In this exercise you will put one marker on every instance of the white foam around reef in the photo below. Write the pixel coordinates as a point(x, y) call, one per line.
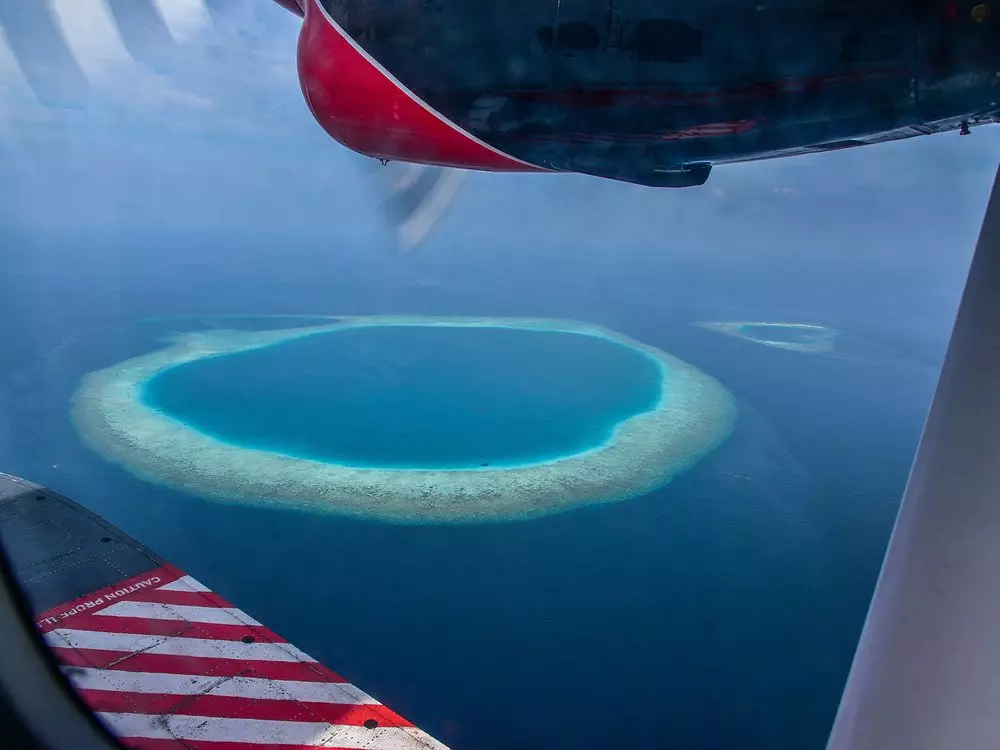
point(693, 415)
point(816, 339)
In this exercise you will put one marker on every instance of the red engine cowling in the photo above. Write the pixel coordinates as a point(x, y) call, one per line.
point(364, 107)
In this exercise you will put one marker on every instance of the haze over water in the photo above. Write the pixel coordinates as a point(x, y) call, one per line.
point(721, 611)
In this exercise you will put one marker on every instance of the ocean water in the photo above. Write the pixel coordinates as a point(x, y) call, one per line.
point(720, 611)
point(413, 396)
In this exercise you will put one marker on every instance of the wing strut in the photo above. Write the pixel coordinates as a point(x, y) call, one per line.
point(926, 674)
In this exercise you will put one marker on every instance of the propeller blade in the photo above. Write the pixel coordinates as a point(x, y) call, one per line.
point(417, 196)
point(71, 54)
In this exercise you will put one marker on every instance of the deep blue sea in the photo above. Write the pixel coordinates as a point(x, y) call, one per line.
point(412, 396)
point(721, 611)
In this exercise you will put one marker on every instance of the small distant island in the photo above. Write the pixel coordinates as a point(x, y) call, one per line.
point(797, 337)
point(691, 415)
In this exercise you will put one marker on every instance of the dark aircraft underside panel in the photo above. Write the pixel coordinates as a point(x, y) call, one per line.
point(164, 662)
point(632, 89)
point(60, 551)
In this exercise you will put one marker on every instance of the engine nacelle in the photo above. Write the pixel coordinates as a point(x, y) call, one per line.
point(637, 95)
point(364, 107)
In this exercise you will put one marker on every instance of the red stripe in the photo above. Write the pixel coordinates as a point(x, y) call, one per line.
point(590, 98)
point(132, 625)
point(195, 665)
point(735, 127)
point(230, 707)
point(139, 743)
point(177, 628)
point(57, 616)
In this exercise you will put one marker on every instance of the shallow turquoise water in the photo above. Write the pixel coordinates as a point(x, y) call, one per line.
point(414, 396)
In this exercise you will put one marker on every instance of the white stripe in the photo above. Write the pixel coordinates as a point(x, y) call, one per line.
point(184, 583)
point(396, 82)
point(260, 731)
point(232, 687)
point(160, 611)
point(168, 645)
point(91, 34)
point(184, 18)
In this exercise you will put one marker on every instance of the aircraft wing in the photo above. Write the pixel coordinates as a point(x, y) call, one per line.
point(162, 660)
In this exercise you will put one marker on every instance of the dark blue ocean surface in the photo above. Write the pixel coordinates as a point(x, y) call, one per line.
point(719, 612)
point(415, 396)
